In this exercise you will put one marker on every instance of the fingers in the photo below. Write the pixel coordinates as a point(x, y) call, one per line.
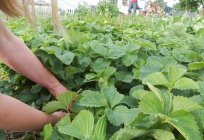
point(57, 116)
point(59, 89)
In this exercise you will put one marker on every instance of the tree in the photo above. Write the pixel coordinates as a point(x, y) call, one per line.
point(191, 5)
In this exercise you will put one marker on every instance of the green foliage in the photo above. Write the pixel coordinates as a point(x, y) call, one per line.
point(183, 103)
point(47, 131)
point(107, 8)
point(128, 134)
point(121, 115)
point(82, 127)
point(196, 66)
point(62, 103)
point(191, 5)
point(135, 77)
point(92, 99)
point(100, 128)
point(163, 135)
point(179, 117)
point(184, 122)
point(185, 83)
point(175, 79)
point(151, 104)
point(2, 135)
point(111, 95)
point(156, 78)
point(82, 11)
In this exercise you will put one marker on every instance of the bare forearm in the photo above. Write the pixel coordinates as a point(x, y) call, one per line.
point(16, 54)
point(17, 116)
point(20, 58)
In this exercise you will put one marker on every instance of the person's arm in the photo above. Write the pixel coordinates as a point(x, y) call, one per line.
point(17, 116)
point(18, 56)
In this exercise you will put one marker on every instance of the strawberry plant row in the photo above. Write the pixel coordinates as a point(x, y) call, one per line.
point(133, 77)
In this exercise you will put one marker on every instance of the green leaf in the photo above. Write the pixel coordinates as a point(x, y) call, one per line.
point(185, 83)
point(150, 68)
point(150, 104)
point(92, 99)
point(99, 49)
point(148, 122)
point(124, 76)
point(200, 32)
point(66, 98)
point(66, 58)
point(147, 44)
point(56, 135)
point(129, 59)
point(196, 66)
point(71, 71)
point(184, 122)
point(56, 66)
point(71, 130)
point(139, 93)
point(112, 95)
point(183, 103)
point(168, 102)
point(138, 119)
point(84, 61)
point(198, 99)
point(100, 128)
point(156, 78)
point(100, 64)
point(103, 82)
point(156, 102)
point(52, 50)
point(2, 135)
point(36, 88)
point(163, 135)
point(155, 91)
point(81, 127)
point(53, 106)
point(121, 114)
point(90, 77)
point(186, 55)
point(26, 97)
point(175, 73)
point(108, 72)
point(115, 53)
point(199, 117)
point(64, 121)
point(129, 101)
point(47, 131)
point(128, 134)
point(201, 87)
point(131, 47)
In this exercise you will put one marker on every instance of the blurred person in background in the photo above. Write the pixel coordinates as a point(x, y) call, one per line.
point(167, 10)
point(133, 6)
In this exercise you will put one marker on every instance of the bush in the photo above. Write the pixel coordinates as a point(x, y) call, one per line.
point(107, 8)
point(82, 11)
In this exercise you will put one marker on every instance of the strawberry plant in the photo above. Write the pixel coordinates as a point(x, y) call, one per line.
point(131, 77)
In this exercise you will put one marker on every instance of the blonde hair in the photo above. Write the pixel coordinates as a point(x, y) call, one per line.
point(18, 8)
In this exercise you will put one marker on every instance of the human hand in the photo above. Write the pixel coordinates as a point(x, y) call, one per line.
point(55, 117)
point(58, 89)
